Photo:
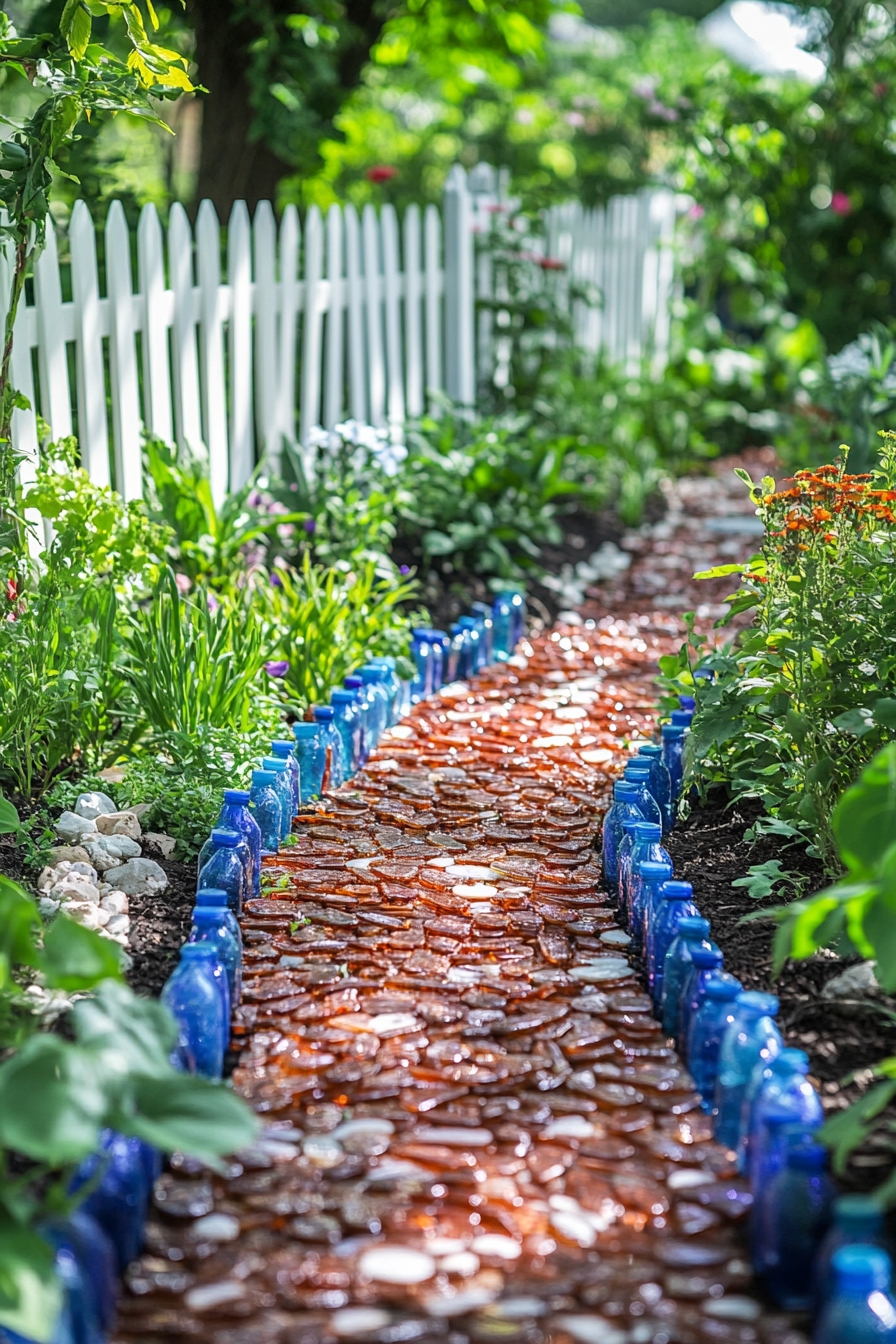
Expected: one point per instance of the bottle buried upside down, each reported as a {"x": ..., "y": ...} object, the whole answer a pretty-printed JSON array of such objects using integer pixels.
[{"x": 474, "y": 1126}]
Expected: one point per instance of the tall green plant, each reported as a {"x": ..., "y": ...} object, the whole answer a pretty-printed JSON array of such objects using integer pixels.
[{"x": 192, "y": 662}]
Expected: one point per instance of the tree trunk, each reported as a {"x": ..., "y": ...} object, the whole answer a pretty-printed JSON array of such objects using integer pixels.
[{"x": 232, "y": 166}]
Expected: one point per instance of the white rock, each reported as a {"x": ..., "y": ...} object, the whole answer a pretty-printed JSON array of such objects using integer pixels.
[
  {"x": 46, "y": 879},
  {"x": 115, "y": 902},
  {"x": 477, "y": 871},
  {"x": 371, "y": 1125},
  {"x": 215, "y": 1227},
  {"x": 323, "y": 1151},
  {"x": 140, "y": 876},
  {"x": 854, "y": 983},
  {"x": 94, "y": 805},
  {"x": 119, "y": 823},
  {"x": 494, "y": 1246},
  {"x": 350, "y": 1321},
  {"x": 120, "y": 846},
  {"x": 517, "y": 1309},
  {"x": 689, "y": 1178},
  {"x": 452, "y": 1137},
  {"x": 397, "y": 1264},
  {"x": 569, "y": 1127},
  {"x": 102, "y": 858},
  {"x": 74, "y": 887},
  {"x": 47, "y": 906},
  {"x": 470, "y": 1298},
  {"x": 591, "y": 1330},
  {"x": 85, "y": 869},
  {"x": 91, "y": 916},
  {"x": 573, "y": 1227},
  {"x": 71, "y": 827},
  {"x": 463, "y": 1263},
  {"x": 208, "y": 1295},
  {"x": 165, "y": 844},
  {"x": 119, "y": 926}
]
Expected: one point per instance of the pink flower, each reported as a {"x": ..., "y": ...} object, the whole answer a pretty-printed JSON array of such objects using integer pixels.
[
  {"x": 841, "y": 204},
  {"x": 183, "y": 583},
  {"x": 696, "y": 212},
  {"x": 213, "y": 603},
  {"x": 381, "y": 172},
  {"x": 12, "y": 590}
]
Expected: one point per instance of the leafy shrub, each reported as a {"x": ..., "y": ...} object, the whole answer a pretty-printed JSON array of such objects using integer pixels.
[{"x": 808, "y": 693}]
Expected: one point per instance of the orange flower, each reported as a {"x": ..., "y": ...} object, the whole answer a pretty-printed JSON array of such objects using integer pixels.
[{"x": 821, "y": 515}]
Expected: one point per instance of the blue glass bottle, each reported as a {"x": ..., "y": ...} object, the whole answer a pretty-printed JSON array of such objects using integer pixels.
[
  {"x": 78, "y": 1321},
  {"x": 474, "y": 654},
  {"x": 225, "y": 840},
  {"x": 347, "y": 718},
  {"x": 119, "y": 1200},
  {"x": 624, "y": 808},
  {"x": 855, "y": 1219},
  {"x": 378, "y": 703},
  {"x": 704, "y": 961},
  {"x": 673, "y": 755},
  {"x": 458, "y": 666},
  {"x": 799, "y": 1200},
  {"x": 98, "y": 1262},
  {"x": 638, "y": 773},
  {"x": 660, "y": 781},
  {"x": 421, "y": 652},
  {"x": 646, "y": 848},
  {"x": 708, "y": 1025},
  {"x": 749, "y": 1040},
  {"x": 312, "y": 758},
  {"x": 286, "y": 751},
  {"x": 225, "y": 867},
  {"x": 331, "y": 744},
  {"x": 518, "y": 604},
  {"x": 693, "y": 931},
  {"x": 194, "y": 994},
  {"x": 211, "y": 925},
  {"x": 483, "y": 612},
  {"x": 283, "y": 789},
  {"x": 861, "y": 1308},
  {"x": 687, "y": 702},
  {"x": 682, "y": 718},
  {"x": 440, "y": 645},
  {"x": 651, "y": 877},
  {"x": 785, "y": 1087},
  {"x": 235, "y": 816},
  {"x": 391, "y": 684},
  {"x": 356, "y": 685},
  {"x": 675, "y": 904},
  {"x": 624, "y": 865},
  {"x": 508, "y": 623}
]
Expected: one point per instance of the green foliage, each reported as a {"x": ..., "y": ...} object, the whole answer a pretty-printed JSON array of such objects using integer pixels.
[
  {"x": 808, "y": 694},
  {"x": 210, "y": 545},
  {"x": 764, "y": 879},
  {"x": 57, "y": 1093},
  {"x": 192, "y": 662},
  {"x": 325, "y": 622}
]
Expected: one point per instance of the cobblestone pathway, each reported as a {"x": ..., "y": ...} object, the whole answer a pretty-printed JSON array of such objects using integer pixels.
[{"x": 475, "y": 1129}]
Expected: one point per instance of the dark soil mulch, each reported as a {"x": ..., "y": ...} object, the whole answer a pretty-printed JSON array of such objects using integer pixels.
[
  {"x": 841, "y": 1038},
  {"x": 160, "y": 924}
]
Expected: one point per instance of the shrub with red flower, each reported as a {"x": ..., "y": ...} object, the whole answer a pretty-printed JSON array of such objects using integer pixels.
[{"x": 381, "y": 172}]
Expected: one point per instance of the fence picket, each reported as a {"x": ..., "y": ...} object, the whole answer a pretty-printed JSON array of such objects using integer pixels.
[
  {"x": 376, "y": 373},
  {"x": 239, "y": 277},
  {"x": 357, "y": 383},
  {"x": 52, "y": 359},
  {"x": 187, "y": 418},
  {"x": 392, "y": 308},
  {"x": 335, "y": 376},
  {"x": 154, "y": 329},
  {"x": 433, "y": 281},
  {"x": 290, "y": 303},
  {"x": 93, "y": 431},
  {"x": 460, "y": 339},
  {"x": 309, "y": 404},
  {"x": 211, "y": 348},
  {"x": 413, "y": 294},
  {"x": 264, "y": 251},
  {"x": 124, "y": 385}
]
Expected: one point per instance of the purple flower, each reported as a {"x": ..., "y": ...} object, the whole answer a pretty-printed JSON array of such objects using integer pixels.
[
  {"x": 276, "y": 581},
  {"x": 310, "y": 526},
  {"x": 404, "y": 569},
  {"x": 213, "y": 603},
  {"x": 276, "y": 669}
]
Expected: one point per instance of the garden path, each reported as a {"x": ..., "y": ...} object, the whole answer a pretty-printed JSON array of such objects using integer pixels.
[{"x": 475, "y": 1129}]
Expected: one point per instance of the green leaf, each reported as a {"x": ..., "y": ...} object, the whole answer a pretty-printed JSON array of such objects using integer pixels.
[
  {"x": 721, "y": 571},
  {"x": 206, "y": 1120},
  {"x": 864, "y": 821},
  {"x": 762, "y": 879},
  {"x": 51, "y": 1108},
  {"x": 884, "y": 712},
  {"x": 849, "y": 1128},
  {"x": 77, "y": 958},
  {"x": 141, "y": 1031},
  {"x": 9, "y": 817},
  {"x": 858, "y": 722},
  {"x": 30, "y": 1293},
  {"x": 77, "y": 31},
  {"x": 19, "y": 921}
]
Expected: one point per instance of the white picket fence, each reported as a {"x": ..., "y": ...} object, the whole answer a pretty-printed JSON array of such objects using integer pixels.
[{"x": 365, "y": 317}]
